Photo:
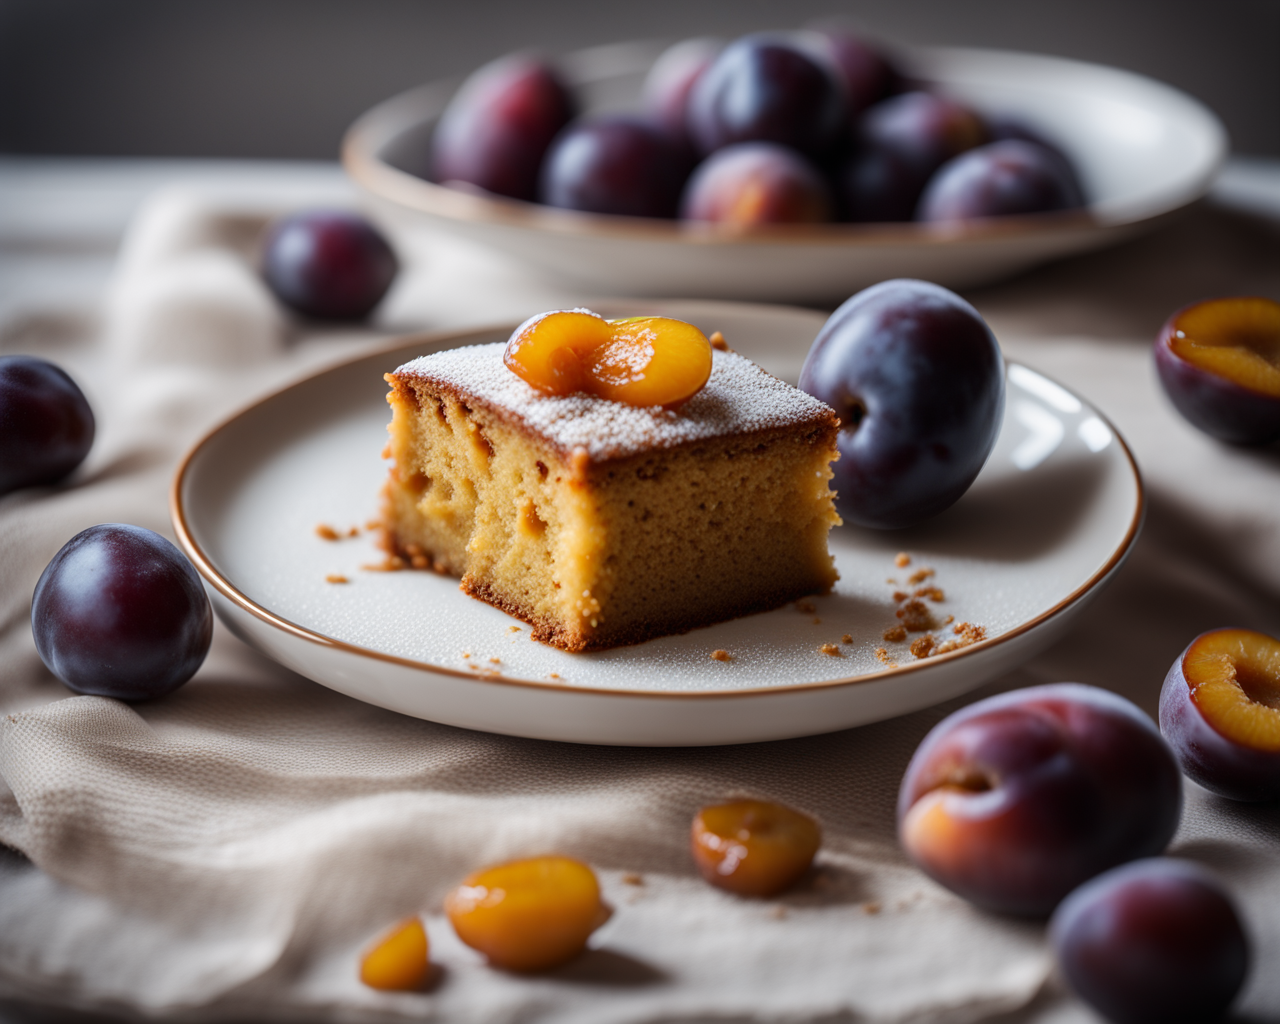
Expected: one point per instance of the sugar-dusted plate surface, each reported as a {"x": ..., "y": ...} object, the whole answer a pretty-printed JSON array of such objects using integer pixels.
[{"x": 1050, "y": 518}]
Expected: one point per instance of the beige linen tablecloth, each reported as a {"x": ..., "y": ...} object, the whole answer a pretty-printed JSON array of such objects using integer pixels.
[{"x": 227, "y": 851}]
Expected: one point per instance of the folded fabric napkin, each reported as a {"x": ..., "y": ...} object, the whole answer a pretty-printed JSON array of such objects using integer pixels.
[{"x": 227, "y": 851}]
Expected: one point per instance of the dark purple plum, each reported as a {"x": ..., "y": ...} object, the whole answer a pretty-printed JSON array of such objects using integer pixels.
[
  {"x": 1003, "y": 126},
  {"x": 875, "y": 185},
  {"x": 917, "y": 379},
  {"x": 617, "y": 165},
  {"x": 1153, "y": 942},
  {"x": 496, "y": 129},
  {"x": 766, "y": 89},
  {"x": 119, "y": 612},
  {"x": 328, "y": 264},
  {"x": 1000, "y": 179},
  {"x": 1017, "y": 799},
  {"x": 924, "y": 130},
  {"x": 46, "y": 425},
  {"x": 866, "y": 73},
  {"x": 1219, "y": 363},
  {"x": 1220, "y": 711},
  {"x": 756, "y": 183},
  {"x": 667, "y": 86}
]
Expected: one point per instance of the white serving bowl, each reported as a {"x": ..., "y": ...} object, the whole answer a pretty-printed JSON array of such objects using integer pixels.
[{"x": 1143, "y": 150}]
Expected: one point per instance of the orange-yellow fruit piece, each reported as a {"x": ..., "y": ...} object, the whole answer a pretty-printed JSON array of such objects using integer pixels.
[
  {"x": 528, "y": 915},
  {"x": 753, "y": 847},
  {"x": 1237, "y": 338},
  {"x": 1234, "y": 679},
  {"x": 399, "y": 960},
  {"x": 643, "y": 361}
]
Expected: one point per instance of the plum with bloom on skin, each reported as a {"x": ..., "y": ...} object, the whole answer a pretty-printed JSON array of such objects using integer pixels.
[
  {"x": 863, "y": 69},
  {"x": 1015, "y": 800},
  {"x": 764, "y": 88},
  {"x": 615, "y": 165},
  {"x": 1001, "y": 179},
  {"x": 46, "y": 425},
  {"x": 497, "y": 128},
  {"x": 120, "y": 612},
  {"x": 1220, "y": 711},
  {"x": 1153, "y": 942},
  {"x": 665, "y": 93},
  {"x": 917, "y": 379},
  {"x": 756, "y": 183},
  {"x": 924, "y": 130},
  {"x": 328, "y": 264}
]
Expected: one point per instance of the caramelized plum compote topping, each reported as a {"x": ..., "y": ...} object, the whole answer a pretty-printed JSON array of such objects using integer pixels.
[
  {"x": 528, "y": 915},
  {"x": 398, "y": 962},
  {"x": 643, "y": 360},
  {"x": 753, "y": 847}
]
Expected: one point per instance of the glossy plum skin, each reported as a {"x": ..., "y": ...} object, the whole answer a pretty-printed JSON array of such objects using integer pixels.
[
  {"x": 922, "y": 129},
  {"x": 614, "y": 165},
  {"x": 876, "y": 186},
  {"x": 496, "y": 129},
  {"x": 665, "y": 93},
  {"x": 1000, "y": 179},
  {"x": 1223, "y": 408},
  {"x": 756, "y": 183},
  {"x": 119, "y": 612},
  {"x": 46, "y": 425},
  {"x": 866, "y": 73},
  {"x": 1001, "y": 127},
  {"x": 328, "y": 264},
  {"x": 917, "y": 379},
  {"x": 1015, "y": 800},
  {"x": 1205, "y": 754},
  {"x": 765, "y": 89},
  {"x": 1153, "y": 942}
]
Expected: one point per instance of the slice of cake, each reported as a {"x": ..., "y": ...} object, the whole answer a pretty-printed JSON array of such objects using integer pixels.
[{"x": 601, "y": 523}]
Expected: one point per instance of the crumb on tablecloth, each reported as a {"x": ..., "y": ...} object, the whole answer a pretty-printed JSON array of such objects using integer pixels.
[
  {"x": 902, "y": 560},
  {"x": 719, "y": 654},
  {"x": 336, "y": 577},
  {"x": 847, "y": 638},
  {"x": 832, "y": 650},
  {"x": 919, "y": 576},
  {"x": 326, "y": 532}
]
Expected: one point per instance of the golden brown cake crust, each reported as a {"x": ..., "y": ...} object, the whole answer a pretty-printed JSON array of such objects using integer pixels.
[
  {"x": 603, "y": 525},
  {"x": 739, "y": 398}
]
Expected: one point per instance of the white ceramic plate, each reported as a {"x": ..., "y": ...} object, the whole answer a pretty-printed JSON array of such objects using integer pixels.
[
  {"x": 1049, "y": 520},
  {"x": 1142, "y": 148}
]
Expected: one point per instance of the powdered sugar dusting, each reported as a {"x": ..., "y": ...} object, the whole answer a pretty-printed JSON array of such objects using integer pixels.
[{"x": 740, "y": 397}]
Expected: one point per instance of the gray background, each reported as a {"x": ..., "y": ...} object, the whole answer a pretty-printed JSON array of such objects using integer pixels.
[{"x": 283, "y": 78}]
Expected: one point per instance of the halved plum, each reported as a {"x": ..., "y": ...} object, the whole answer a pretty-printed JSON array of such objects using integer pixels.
[
  {"x": 1219, "y": 362},
  {"x": 1220, "y": 711}
]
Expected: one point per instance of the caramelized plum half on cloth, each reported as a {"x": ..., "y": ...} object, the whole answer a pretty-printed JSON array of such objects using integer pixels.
[
  {"x": 1219, "y": 362},
  {"x": 1220, "y": 711}
]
